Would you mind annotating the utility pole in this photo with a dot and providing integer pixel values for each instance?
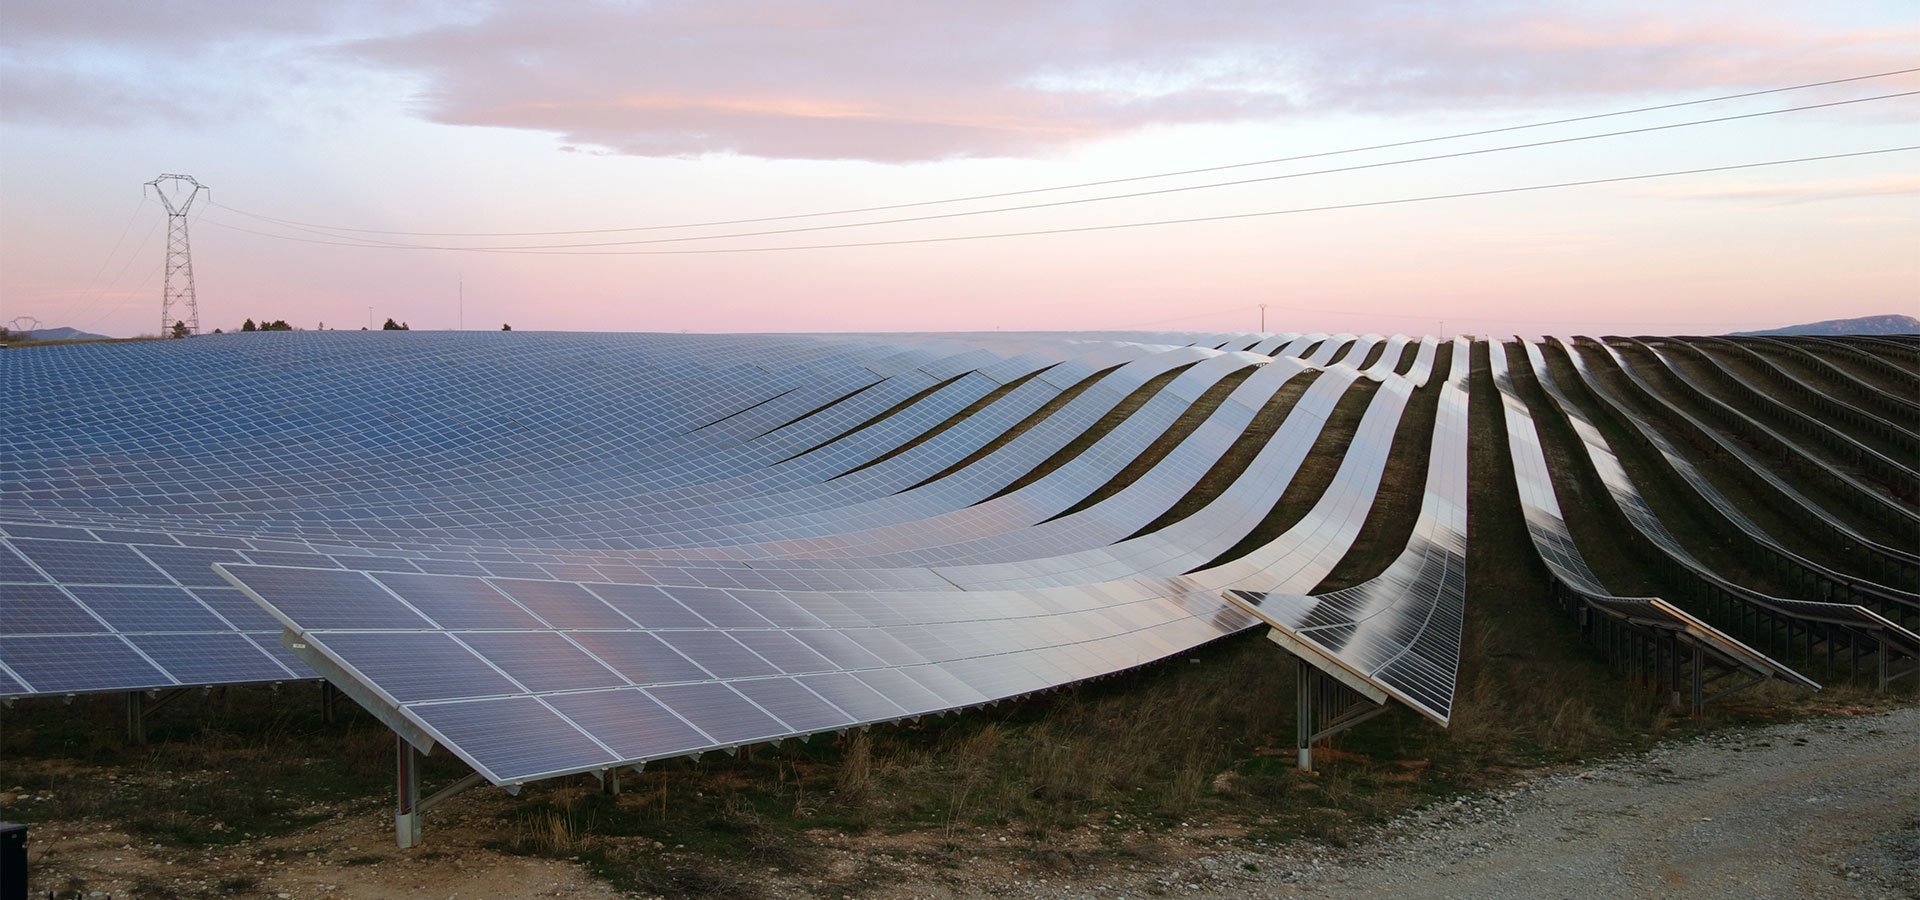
(178, 287)
(1263, 318)
(463, 301)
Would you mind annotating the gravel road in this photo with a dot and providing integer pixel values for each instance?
(1821, 808)
(1818, 808)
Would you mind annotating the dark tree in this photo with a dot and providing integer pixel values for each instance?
(179, 330)
(248, 326)
(506, 327)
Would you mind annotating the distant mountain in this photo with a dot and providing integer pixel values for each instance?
(64, 333)
(1861, 325)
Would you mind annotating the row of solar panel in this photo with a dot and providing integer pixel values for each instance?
(1553, 542)
(85, 567)
(749, 587)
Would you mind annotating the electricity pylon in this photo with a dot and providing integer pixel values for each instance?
(179, 281)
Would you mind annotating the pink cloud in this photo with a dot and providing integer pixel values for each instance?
(899, 82)
(910, 82)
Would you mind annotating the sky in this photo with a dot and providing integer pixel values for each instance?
(348, 147)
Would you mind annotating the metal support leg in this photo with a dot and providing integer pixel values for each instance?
(1673, 670)
(1302, 689)
(406, 812)
(610, 782)
(329, 699)
(137, 717)
(1699, 683)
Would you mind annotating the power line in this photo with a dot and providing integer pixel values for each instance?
(1176, 190)
(122, 239)
(1121, 225)
(1100, 183)
(92, 302)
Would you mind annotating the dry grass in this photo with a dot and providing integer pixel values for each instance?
(855, 781)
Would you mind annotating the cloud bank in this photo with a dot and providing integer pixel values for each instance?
(908, 82)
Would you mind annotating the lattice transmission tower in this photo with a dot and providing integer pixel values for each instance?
(177, 194)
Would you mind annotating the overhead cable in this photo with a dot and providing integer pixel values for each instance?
(1101, 183)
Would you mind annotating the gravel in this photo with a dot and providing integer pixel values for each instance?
(1817, 808)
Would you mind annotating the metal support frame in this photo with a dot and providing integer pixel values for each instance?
(408, 805)
(1326, 707)
(136, 718)
(138, 706)
(329, 701)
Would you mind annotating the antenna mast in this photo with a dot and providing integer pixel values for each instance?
(177, 193)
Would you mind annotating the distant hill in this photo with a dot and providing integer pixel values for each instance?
(64, 333)
(1861, 325)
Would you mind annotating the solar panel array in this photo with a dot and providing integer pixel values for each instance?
(555, 553)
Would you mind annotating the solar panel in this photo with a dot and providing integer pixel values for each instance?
(557, 553)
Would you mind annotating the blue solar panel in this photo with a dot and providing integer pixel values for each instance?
(793, 704)
(563, 604)
(566, 551)
(210, 658)
(462, 603)
(192, 566)
(42, 609)
(514, 738)
(419, 666)
(331, 598)
(719, 711)
(77, 562)
(131, 609)
(542, 661)
(633, 724)
(650, 607)
(14, 567)
(77, 663)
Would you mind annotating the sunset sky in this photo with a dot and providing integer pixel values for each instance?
(498, 117)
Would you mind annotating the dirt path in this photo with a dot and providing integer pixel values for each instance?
(1819, 808)
(1814, 809)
